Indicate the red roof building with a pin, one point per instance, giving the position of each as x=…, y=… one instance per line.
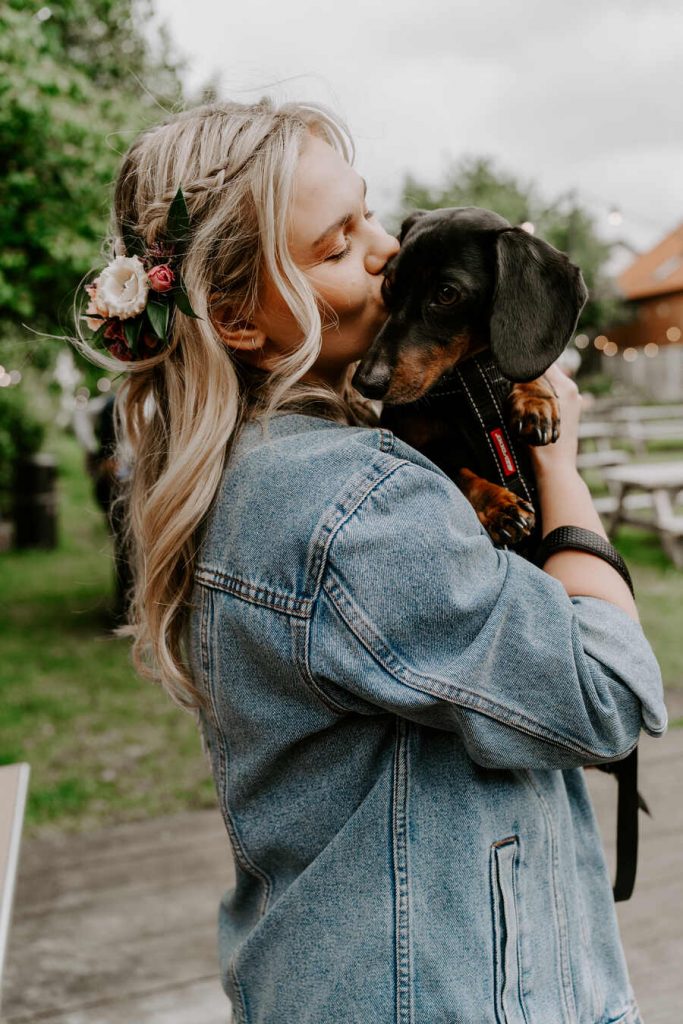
x=653, y=286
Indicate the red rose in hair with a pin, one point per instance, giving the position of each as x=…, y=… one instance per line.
x=120, y=351
x=114, y=331
x=161, y=278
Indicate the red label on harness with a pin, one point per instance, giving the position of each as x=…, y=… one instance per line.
x=505, y=458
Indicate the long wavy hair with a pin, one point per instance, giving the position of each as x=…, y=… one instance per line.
x=180, y=411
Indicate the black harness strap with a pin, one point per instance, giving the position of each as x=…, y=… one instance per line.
x=480, y=382
x=475, y=379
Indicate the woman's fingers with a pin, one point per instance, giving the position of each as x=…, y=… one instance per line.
x=569, y=397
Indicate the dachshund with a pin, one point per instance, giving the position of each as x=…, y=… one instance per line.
x=467, y=288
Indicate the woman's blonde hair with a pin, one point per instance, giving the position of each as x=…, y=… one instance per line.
x=180, y=410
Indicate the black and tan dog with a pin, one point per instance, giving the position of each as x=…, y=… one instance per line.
x=466, y=282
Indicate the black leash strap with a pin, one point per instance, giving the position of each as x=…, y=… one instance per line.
x=626, y=772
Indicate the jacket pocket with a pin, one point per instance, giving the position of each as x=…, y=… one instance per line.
x=509, y=1000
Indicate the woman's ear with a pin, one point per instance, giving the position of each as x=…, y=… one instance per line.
x=243, y=336
x=234, y=332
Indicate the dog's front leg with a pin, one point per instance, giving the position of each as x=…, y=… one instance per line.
x=504, y=515
x=534, y=412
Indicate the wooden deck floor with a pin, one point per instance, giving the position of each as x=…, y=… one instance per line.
x=118, y=926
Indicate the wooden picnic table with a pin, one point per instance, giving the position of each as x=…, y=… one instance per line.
x=663, y=481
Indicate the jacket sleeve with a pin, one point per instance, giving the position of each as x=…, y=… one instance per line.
x=419, y=614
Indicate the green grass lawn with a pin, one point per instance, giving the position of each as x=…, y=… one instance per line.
x=105, y=746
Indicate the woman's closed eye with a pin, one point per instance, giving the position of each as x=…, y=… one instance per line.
x=339, y=255
x=335, y=256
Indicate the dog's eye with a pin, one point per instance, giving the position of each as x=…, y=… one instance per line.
x=447, y=295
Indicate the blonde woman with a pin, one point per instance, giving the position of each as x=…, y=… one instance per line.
x=396, y=711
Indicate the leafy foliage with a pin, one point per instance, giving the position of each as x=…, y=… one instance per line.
x=71, y=98
x=475, y=181
x=21, y=434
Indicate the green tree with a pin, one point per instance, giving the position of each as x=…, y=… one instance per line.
x=77, y=82
x=476, y=181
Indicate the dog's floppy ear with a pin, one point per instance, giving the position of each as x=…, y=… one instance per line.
x=410, y=221
x=539, y=295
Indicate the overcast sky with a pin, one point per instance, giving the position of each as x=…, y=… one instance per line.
x=586, y=95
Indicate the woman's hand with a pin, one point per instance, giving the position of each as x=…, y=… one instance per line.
x=562, y=453
x=565, y=500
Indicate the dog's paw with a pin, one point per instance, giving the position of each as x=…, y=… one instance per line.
x=534, y=412
x=507, y=518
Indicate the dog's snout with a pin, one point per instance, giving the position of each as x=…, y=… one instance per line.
x=372, y=381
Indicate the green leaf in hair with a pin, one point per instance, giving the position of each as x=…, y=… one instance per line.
x=182, y=300
x=158, y=314
x=178, y=221
x=131, y=329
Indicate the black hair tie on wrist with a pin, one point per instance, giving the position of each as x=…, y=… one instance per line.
x=578, y=539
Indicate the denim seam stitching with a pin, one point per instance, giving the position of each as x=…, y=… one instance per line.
x=404, y=1003
x=561, y=912
x=253, y=593
x=518, y=929
x=496, y=942
x=303, y=665
x=241, y=855
x=328, y=529
x=374, y=644
x=240, y=992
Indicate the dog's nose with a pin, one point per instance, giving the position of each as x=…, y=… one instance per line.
x=372, y=381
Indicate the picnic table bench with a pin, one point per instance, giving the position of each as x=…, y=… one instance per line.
x=663, y=482
x=598, y=432
x=653, y=430
x=639, y=413
x=638, y=424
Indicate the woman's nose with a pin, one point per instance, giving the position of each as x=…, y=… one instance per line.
x=384, y=247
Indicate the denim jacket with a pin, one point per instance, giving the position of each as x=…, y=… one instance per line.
x=397, y=717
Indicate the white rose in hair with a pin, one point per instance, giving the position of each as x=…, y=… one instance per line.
x=122, y=288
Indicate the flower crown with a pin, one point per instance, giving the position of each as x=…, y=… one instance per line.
x=133, y=299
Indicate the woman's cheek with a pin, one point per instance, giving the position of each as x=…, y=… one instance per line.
x=345, y=293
